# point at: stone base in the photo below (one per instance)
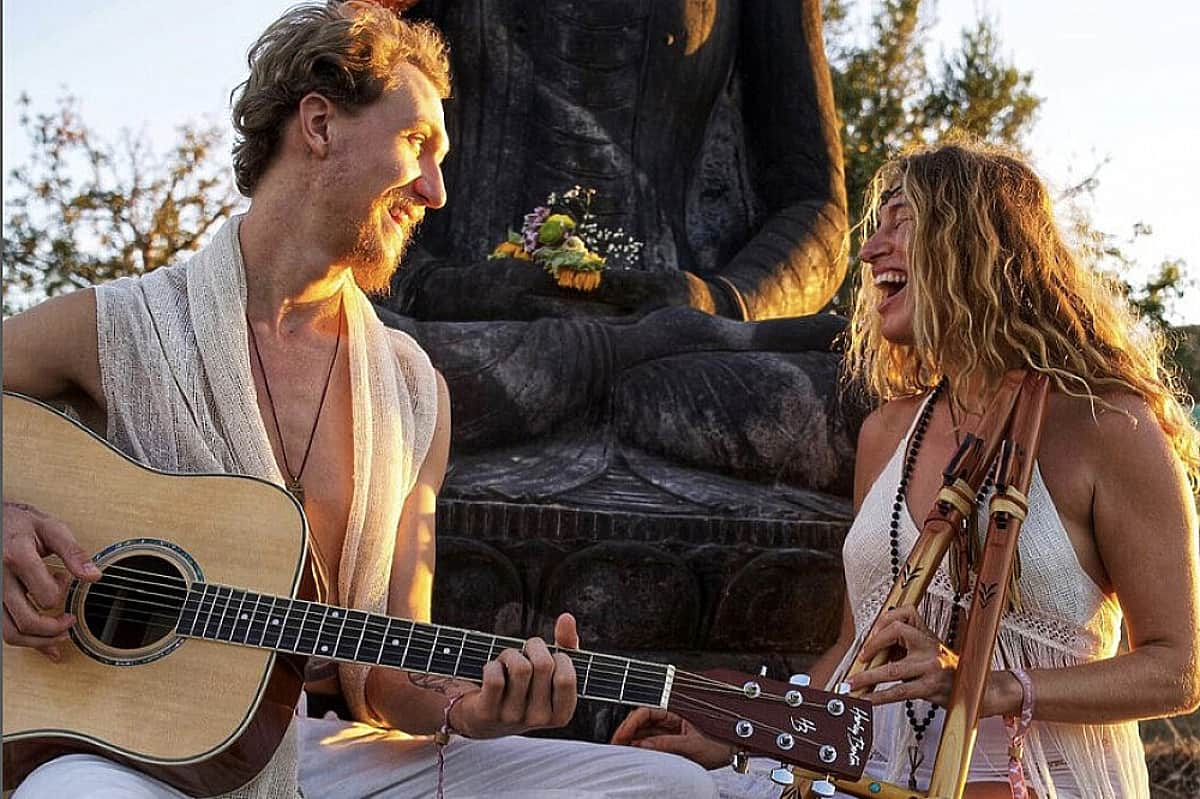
(698, 591)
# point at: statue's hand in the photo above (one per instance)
(510, 289)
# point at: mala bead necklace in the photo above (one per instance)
(919, 726)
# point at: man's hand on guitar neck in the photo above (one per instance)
(33, 594)
(522, 690)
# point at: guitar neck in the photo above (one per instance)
(282, 624)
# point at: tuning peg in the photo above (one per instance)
(803, 680)
(842, 688)
(823, 788)
(762, 670)
(782, 776)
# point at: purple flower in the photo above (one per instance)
(533, 221)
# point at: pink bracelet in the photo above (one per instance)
(1017, 726)
(441, 738)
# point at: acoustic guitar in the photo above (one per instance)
(187, 654)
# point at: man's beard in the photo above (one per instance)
(374, 264)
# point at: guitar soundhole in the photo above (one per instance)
(136, 603)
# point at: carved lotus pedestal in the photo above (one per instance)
(700, 590)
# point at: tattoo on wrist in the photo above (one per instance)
(430, 682)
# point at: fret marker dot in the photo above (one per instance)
(445, 650)
(324, 648)
(275, 621)
(334, 614)
(395, 642)
(245, 616)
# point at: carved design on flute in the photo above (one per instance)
(987, 592)
(909, 574)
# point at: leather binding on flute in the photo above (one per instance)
(1010, 429)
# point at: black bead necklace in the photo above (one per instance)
(919, 726)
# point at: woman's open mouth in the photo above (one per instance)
(890, 284)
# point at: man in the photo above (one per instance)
(263, 357)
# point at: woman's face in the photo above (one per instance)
(887, 253)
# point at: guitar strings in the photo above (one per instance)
(421, 636)
(602, 675)
(422, 639)
(471, 653)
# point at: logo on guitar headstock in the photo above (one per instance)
(854, 735)
(802, 725)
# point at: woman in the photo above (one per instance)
(965, 277)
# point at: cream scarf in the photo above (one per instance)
(195, 409)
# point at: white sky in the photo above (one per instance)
(1118, 78)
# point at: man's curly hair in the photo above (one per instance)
(348, 52)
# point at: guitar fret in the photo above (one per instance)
(195, 612)
(240, 617)
(221, 626)
(262, 637)
(362, 634)
(587, 673)
(650, 685)
(394, 652)
(371, 637)
(211, 608)
(432, 649)
(303, 645)
(275, 621)
(253, 620)
(407, 642)
(471, 658)
(283, 625)
(444, 660)
(415, 651)
(320, 629)
(387, 632)
(341, 629)
(624, 679)
(345, 647)
(462, 645)
(322, 640)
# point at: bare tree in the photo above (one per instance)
(80, 210)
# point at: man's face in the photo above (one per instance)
(386, 171)
(887, 253)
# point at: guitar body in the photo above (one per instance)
(202, 716)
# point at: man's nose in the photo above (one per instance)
(431, 188)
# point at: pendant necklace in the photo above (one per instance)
(292, 482)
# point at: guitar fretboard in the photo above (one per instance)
(282, 624)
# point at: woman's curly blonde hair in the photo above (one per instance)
(346, 51)
(995, 287)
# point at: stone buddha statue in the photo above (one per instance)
(705, 127)
(660, 454)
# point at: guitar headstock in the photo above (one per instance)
(792, 722)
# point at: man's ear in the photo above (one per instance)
(316, 115)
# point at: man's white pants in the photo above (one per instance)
(341, 760)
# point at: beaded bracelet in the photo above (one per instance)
(1017, 726)
(441, 738)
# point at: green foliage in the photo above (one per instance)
(889, 97)
(81, 211)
